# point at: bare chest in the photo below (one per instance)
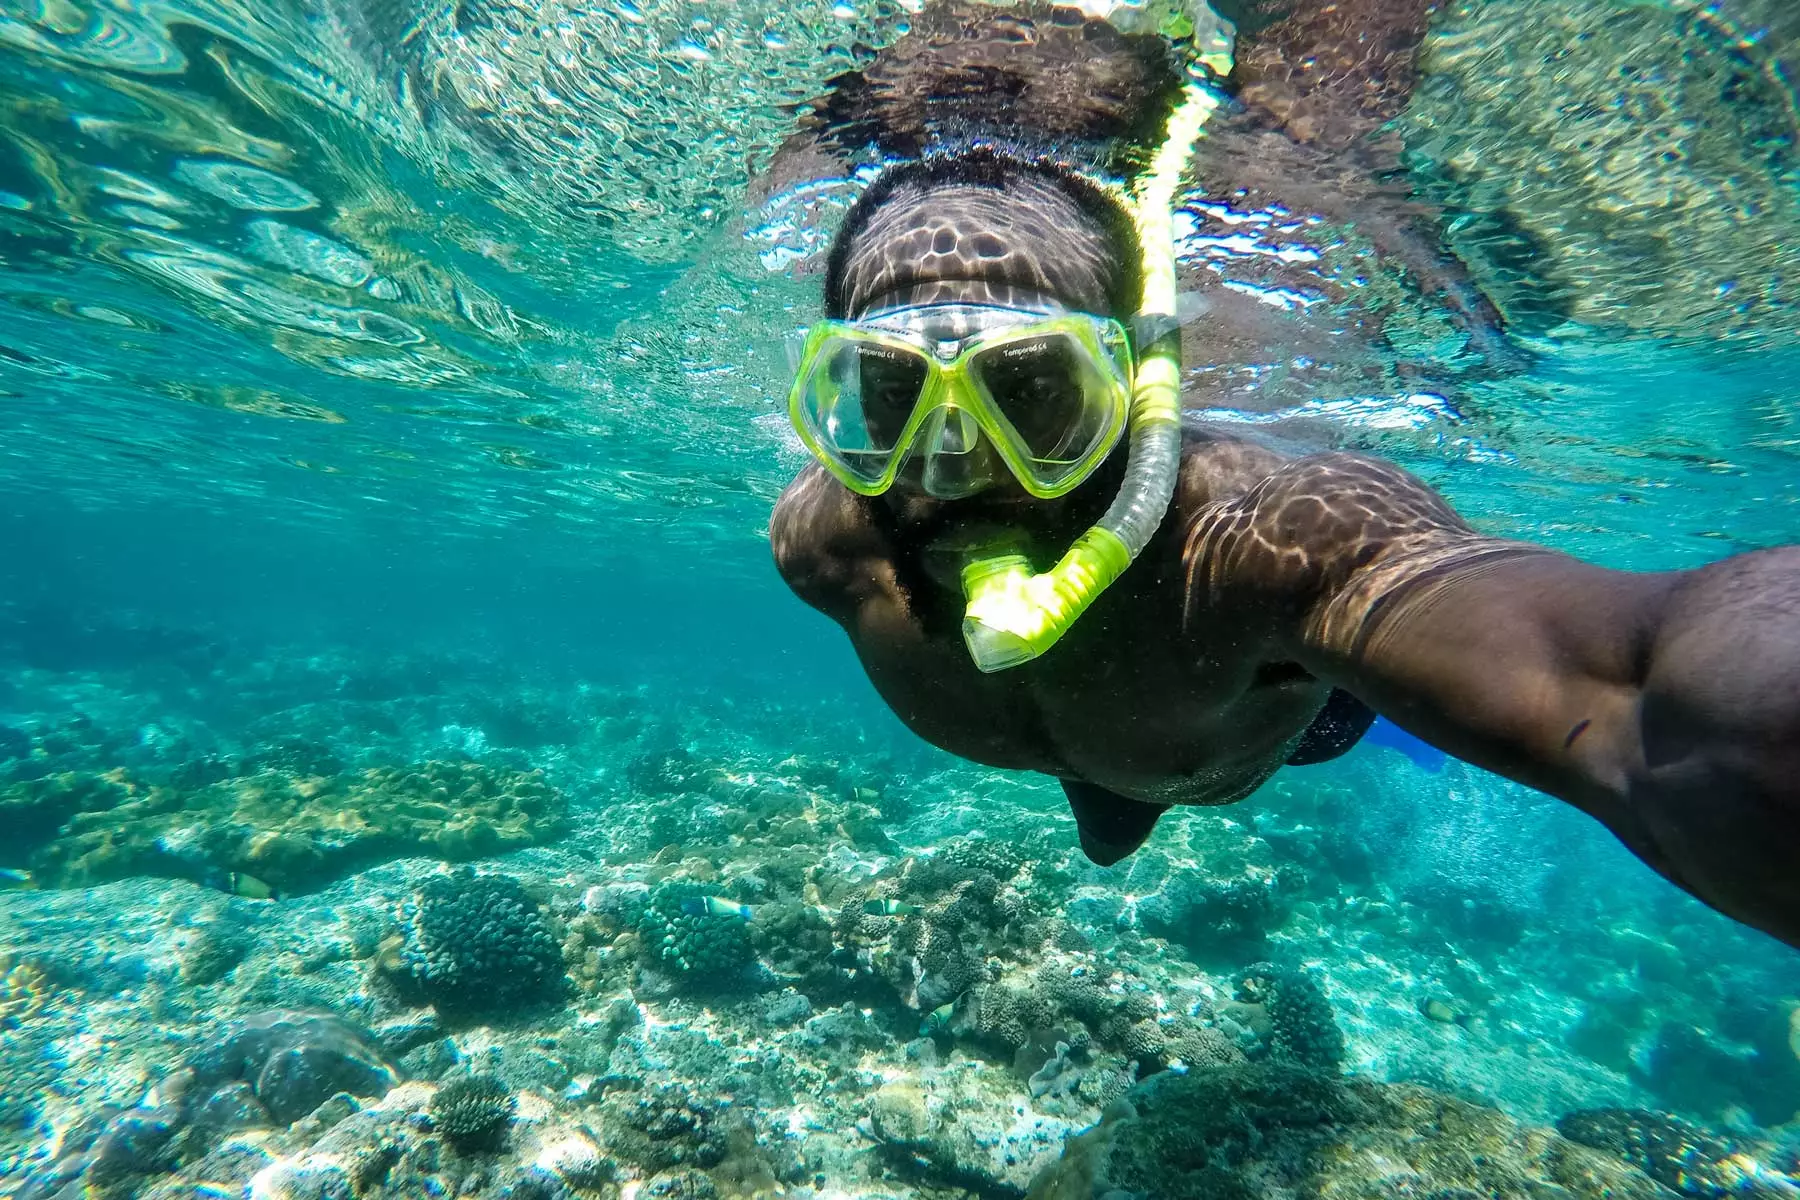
(1126, 701)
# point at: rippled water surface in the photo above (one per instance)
(474, 266)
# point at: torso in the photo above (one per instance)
(1140, 697)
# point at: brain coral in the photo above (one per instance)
(293, 832)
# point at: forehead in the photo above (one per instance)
(936, 243)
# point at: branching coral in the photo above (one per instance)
(666, 1127)
(933, 927)
(473, 1112)
(480, 947)
(1215, 920)
(680, 934)
(1305, 1031)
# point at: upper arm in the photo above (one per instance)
(825, 547)
(1520, 660)
(1510, 656)
(1719, 784)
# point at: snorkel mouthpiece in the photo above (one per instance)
(1013, 615)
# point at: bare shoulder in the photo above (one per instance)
(1291, 535)
(1218, 464)
(1231, 484)
(824, 542)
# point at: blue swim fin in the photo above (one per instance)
(1423, 755)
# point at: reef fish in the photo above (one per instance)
(1443, 1012)
(889, 907)
(715, 906)
(14, 879)
(239, 884)
(938, 1020)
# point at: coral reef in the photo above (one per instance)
(1680, 1156)
(1267, 1130)
(666, 1127)
(1301, 1026)
(1758, 1071)
(24, 990)
(272, 1069)
(1217, 921)
(756, 963)
(478, 947)
(679, 934)
(293, 832)
(934, 927)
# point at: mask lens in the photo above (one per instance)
(890, 382)
(1052, 393)
(856, 400)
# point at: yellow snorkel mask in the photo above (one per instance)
(871, 393)
(1047, 390)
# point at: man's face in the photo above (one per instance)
(997, 424)
(978, 392)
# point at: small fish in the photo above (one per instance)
(889, 908)
(938, 1020)
(1440, 1011)
(237, 883)
(14, 879)
(714, 906)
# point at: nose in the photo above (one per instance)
(957, 460)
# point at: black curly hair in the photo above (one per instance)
(991, 216)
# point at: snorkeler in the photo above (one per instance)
(1042, 567)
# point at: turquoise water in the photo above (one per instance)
(390, 404)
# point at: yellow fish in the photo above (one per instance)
(1433, 1009)
(239, 884)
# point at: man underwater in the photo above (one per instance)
(975, 401)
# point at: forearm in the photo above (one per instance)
(1523, 661)
(1666, 705)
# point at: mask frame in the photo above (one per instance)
(955, 343)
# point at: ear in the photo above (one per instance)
(1111, 827)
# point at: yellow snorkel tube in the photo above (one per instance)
(1013, 614)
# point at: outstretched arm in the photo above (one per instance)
(1665, 705)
